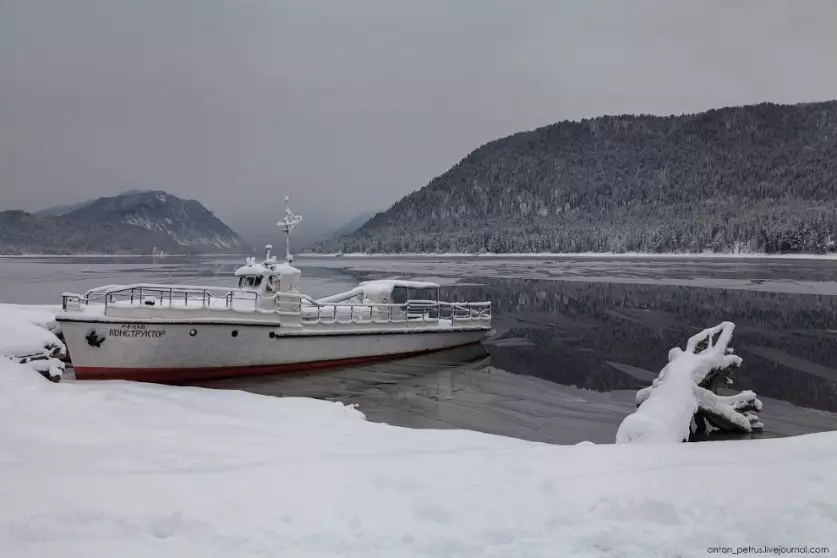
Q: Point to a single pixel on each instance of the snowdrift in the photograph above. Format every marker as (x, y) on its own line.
(28, 334)
(136, 470)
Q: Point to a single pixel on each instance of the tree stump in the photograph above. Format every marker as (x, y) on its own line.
(684, 397)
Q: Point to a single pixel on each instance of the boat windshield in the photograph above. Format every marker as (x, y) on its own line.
(249, 281)
(400, 295)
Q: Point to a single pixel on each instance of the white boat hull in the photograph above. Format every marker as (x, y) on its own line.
(173, 352)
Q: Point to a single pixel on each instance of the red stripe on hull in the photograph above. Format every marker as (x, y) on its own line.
(181, 375)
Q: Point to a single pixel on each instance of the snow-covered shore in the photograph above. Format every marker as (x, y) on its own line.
(29, 334)
(35, 314)
(125, 469)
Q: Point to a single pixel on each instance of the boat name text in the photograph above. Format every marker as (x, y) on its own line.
(136, 330)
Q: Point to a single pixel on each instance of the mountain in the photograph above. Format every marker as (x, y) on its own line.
(759, 178)
(353, 225)
(136, 222)
(65, 209)
(314, 231)
(61, 209)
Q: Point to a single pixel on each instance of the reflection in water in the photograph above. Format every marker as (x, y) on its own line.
(582, 334)
(456, 389)
(609, 339)
(349, 383)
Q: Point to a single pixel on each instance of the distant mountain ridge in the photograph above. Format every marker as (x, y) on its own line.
(354, 224)
(136, 222)
(65, 209)
(59, 210)
(760, 178)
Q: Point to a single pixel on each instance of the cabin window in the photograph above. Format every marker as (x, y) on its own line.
(272, 284)
(424, 294)
(399, 295)
(249, 281)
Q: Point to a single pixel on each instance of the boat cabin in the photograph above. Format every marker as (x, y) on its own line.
(387, 291)
(268, 278)
(399, 292)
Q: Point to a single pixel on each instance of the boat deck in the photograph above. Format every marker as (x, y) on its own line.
(145, 302)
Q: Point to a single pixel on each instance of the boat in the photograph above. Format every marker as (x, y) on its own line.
(261, 325)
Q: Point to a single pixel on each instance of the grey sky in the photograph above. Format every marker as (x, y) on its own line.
(351, 104)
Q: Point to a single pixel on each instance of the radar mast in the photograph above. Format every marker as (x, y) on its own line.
(288, 222)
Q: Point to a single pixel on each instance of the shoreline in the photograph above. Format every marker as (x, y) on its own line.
(521, 255)
(536, 255)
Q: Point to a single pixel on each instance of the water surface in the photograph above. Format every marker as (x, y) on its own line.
(576, 336)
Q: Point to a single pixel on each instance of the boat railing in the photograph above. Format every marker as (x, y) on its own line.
(410, 311)
(151, 295)
(307, 309)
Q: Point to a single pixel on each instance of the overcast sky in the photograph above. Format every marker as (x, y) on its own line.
(349, 105)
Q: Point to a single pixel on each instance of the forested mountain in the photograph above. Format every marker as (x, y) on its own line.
(133, 223)
(759, 178)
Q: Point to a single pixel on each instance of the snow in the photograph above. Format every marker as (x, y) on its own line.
(378, 290)
(252, 269)
(281, 269)
(27, 330)
(132, 470)
(358, 313)
(40, 315)
(123, 469)
(386, 285)
(213, 289)
(666, 407)
(341, 297)
(240, 302)
(20, 338)
(286, 270)
(28, 333)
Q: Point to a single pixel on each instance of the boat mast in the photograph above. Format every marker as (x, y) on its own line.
(288, 222)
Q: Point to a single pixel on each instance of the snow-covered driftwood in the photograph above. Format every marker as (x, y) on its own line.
(683, 395)
(28, 336)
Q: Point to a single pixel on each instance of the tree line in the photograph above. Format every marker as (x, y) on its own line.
(759, 178)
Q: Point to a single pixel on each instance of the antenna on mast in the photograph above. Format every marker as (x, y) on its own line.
(288, 222)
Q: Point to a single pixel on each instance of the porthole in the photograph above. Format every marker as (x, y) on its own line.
(271, 334)
(234, 333)
(193, 332)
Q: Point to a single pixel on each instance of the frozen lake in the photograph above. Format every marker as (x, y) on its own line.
(578, 335)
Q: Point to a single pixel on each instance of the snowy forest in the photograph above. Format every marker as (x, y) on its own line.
(759, 178)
